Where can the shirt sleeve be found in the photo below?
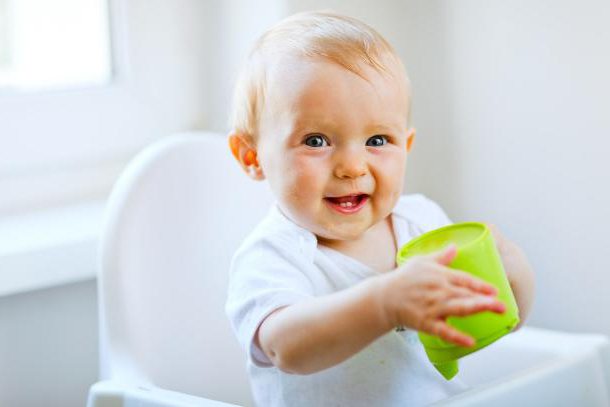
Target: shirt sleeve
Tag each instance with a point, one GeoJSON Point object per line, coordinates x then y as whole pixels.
{"type": "Point", "coordinates": [264, 276]}
{"type": "Point", "coordinates": [438, 217]}
{"type": "Point", "coordinates": [423, 212]}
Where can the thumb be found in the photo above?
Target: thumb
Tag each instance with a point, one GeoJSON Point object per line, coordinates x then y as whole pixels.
{"type": "Point", "coordinates": [445, 255]}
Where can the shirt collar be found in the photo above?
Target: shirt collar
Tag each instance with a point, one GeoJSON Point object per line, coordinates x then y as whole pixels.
{"type": "Point", "coordinates": [307, 241]}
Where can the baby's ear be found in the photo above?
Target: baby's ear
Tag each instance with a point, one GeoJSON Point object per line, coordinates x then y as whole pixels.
{"type": "Point", "coordinates": [244, 151]}
{"type": "Point", "coordinates": [410, 138]}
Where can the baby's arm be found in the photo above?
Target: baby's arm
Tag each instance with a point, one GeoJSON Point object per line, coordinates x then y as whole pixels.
{"type": "Point", "coordinates": [316, 334]}
{"type": "Point", "coordinates": [518, 271]}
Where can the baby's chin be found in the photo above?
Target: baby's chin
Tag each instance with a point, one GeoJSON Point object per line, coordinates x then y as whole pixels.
{"type": "Point", "coordinates": [339, 233]}
{"type": "Point", "coordinates": [329, 229]}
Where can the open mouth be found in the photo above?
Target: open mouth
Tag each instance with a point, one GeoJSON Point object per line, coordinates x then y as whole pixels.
{"type": "Point", "coordinates": [348, 203]}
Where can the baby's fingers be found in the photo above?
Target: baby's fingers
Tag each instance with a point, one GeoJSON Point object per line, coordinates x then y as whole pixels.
{"type": "Point", "coordinates": [471, 305]}
{"type": "Point", "coordinates": [463, 279]}
{"type": "Point", "coordinates": [449, 334]}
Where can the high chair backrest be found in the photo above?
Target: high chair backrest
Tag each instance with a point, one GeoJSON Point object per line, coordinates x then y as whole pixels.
{"type": "Point", "coordinates": [173, 221]}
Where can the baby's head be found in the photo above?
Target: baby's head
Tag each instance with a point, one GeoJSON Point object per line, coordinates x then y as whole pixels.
{"type": "Point", "coordinates": [321, 112]}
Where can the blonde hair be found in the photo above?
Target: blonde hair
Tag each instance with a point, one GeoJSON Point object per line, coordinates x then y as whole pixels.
{"type": "Point", "coordinates": [343, 40]}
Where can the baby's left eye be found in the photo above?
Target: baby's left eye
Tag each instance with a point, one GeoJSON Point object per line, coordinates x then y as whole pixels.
{"type": "Point", "coordinates": [377, 141]}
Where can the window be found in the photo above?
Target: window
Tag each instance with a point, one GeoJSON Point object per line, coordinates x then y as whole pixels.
{"type": "Point", "coordinates": [53, 44]}
{"type": "Point", "coordinates": [63, 141]}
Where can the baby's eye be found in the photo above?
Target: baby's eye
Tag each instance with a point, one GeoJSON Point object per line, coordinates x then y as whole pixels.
{"type": "Point", "coordinates": [316, 140]}
{"type": "Point", "coordinates": [377, 141]}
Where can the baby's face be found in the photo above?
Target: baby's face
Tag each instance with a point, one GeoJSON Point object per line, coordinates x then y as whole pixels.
{"type": "Point", "coordinates": [333, 145]}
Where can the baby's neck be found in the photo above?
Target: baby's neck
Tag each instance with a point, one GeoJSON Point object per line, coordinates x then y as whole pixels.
{"type": "Point", "coordinates": [376, 248]}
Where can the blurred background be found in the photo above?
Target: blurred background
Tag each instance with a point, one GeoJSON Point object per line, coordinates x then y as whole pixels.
{"type": "Point", "coordinates": [511, 102]}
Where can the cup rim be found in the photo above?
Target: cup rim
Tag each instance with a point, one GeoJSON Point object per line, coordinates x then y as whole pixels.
{"type": "Point", "coordinates": [413, 242]}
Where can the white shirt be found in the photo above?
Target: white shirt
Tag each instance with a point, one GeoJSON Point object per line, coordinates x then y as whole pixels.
{"type": "Point", "coordinates": [280, 264]}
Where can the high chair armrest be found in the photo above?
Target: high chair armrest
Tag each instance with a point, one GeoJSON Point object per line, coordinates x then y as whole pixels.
{"type": "Point", "coordinates": [113, 394]}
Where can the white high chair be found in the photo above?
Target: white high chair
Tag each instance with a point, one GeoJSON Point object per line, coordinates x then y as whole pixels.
{"type": "Point", "coordinates": [172, 222]}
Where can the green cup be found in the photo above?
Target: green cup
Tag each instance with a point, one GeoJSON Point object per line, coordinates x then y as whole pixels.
{"type": "Point", "coordinates": [476, 254]}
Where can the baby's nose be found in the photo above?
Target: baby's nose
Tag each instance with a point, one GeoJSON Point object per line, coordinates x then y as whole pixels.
{"type": "Point", "coordinates": [351, 167]}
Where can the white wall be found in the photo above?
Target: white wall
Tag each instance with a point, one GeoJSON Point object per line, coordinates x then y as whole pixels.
{"type": "Point", "coordinates": [48, 346]}
{"type": "Point", "coordinates": [512, 111]}
{"type": "Point", "coordinates": [235, 27]}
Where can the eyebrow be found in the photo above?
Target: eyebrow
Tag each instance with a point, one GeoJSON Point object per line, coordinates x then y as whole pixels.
{"type": "Point", "coordinates": [302, 125]}
{"type": "Point", "coordinates": [376, 127]}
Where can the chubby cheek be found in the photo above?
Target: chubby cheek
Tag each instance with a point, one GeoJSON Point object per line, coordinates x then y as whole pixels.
{"type": "Point", "coordinates": [389, 173]}
{"type": "Point", "coordinates": [303, 182]}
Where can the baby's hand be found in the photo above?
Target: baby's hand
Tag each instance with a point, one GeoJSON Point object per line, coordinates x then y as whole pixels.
{"type": "Point", "coordinates": [423, 292]}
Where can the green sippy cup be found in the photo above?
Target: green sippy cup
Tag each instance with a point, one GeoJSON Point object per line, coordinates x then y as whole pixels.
{"type": "Point", "coordinates": [476, 254]}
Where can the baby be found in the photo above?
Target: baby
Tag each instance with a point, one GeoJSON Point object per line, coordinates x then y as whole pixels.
{"type": "Point", "coordinates": [315, 295]}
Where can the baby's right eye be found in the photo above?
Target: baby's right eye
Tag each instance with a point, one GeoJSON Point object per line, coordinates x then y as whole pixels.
{"type": "Point", "coordinates": [316, 140]}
